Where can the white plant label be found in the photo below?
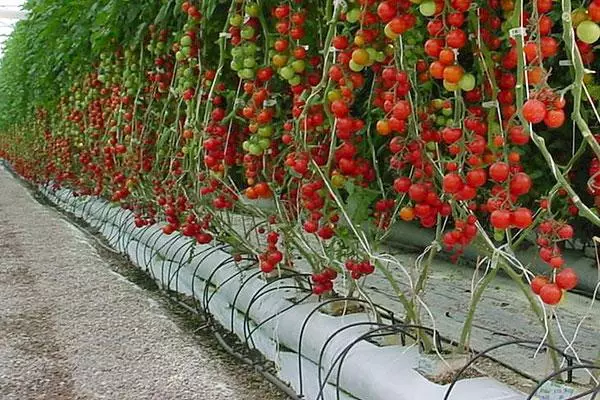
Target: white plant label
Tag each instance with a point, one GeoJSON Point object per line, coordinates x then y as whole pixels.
{"type": "Point", "coordinates": [489, 104]}
{"type": "Point", "coordinates": [514, 32]}
{"type": "Point", "coordinates": [554, 391]}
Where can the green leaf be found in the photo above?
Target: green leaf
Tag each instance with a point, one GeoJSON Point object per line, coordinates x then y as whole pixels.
{"type": "Point", "coordinates": [359, 202]}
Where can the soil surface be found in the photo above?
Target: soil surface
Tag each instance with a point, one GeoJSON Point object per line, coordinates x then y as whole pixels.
{"type": "Point", "coordinates": [72, 328]}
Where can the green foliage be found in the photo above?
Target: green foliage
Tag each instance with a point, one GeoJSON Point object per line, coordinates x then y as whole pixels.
{"type": "Point", "coordinates": [50, 49]}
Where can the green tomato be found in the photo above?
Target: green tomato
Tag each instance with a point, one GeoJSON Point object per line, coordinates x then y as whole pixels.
{"type": "Point", "coordinates": [237, 52]}
{"type": "Point", "coordinates": [246, 73]}
{"type": "Point", "coordinates": [295, 81]}
{"type": "Point", "coordinates": [250, 49]}
{"type": "Point", "coordinates": [236, 20]}
{"type": "Point", "coordinates": [427, 8]}
{"type": "Point", "coordinates": [389, 33]}
{"type": "Point", "coordinates": [430, 146]}
{"type": "Point", "coordinates": [437, 104]}
{"type": "Point", "coordinates": [299, 66]}
{"type": "Point", "coordinates": [353, 15]}
{"type": "Point", "coordinates": [467, 82]}
{"type": "Point", "coordinates": [355, 67]}
{"type": "Point", "coordinates": [440, 120]}
{"type": "Point", "coordinates": [247, 33]}
{"type": "Point", "coordinates": [588, 32]}
{"type": "Point", "coordinates": [447, 111]}
{"type": "Point", "coordinates": [451, 87]}
{"type": "Point", "coordinates": [239, 59]}
{"type": "Point", "coordinates": [255, 149]}
{"type": "Point", "coordinates": [265, 131]}
{"type": "Point", "coordinates": [372, 55]}
{"type": "Point", "coordinates": [380, 56]}
{"type": "Point", "coordinates": [246, 145]}
{"type": "Point", "coordinates": [185, 41]}
{"type": "Point", "coordinates": [235, 65]}
{"type": "Point", "coordinates": [498, 235]}
{"type": "Point", "coordinates": [249, 63]}
{"type": "Point", "coordinates": [252, 9]}
{"type": "Point", "coordinates": [338, 181]}
{"type": "Point", "coordinates": [286, 73]}
{"type": "Point", "coordinates": [264, 143]}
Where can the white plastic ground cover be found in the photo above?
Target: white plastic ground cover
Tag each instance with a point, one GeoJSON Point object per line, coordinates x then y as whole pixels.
{"type": "Point", "coordinates": [240, 301]}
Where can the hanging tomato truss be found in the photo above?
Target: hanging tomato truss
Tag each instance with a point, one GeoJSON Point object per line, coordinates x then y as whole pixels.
{"type": "Point", "coordinates": [322, 123]}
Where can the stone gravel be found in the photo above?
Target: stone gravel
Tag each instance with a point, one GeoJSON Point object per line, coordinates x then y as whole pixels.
{"type": "Point", "coordinates": [71, 328]}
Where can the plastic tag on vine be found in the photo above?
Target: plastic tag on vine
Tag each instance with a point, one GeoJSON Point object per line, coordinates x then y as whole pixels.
{"type": "Point", "coordinates": [489, 104]}
{"type": "Point", "coordinates": [565, 63]}
{"type": "Point", "coordinates": [239, 103]}
{"type": "Point", "coordinates": [554, 391]}
{"type": "Point", "coordinates": [269, 103]}
{"type": "Point", "coordinates": [340, 5]}
{"type": "Point", "coordinates": [520, 31]}
{"type": "Point", "coordinates": [225, 35]}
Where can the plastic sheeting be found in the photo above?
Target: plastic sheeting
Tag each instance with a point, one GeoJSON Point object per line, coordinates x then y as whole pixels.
{"type": "Point", "coordinates": [239, 301]}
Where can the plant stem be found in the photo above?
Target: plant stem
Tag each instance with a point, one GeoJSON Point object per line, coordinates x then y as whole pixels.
{"type": "Point", "coordinates": [465, 335]}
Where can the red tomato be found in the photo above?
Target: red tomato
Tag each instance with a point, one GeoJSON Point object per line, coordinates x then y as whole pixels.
{"type": "Point", "coordinates": [534, 111]}
{"type": "Point", "coordinates": [567, 279]}
{"type": "Point", "coordinates": [500, 219]}
{"type": "Point", "coordinates": [537, 283]}
{"type": "Point", "coordinates": [551, 294]}
{"type": "Point", "coordinates": [521, 218]}
{"type": "Point", "coordinates": [554, 119]}
{"type": "Point", "coordinates": [520, 184]}
{"type": "Point", "coordinates": [452, 183]}
{"type": "Point", "coordinates": [499, 171]}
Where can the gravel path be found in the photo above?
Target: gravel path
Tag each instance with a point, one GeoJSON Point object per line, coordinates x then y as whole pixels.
{"type": "Point", "coordinates": [71, 328]}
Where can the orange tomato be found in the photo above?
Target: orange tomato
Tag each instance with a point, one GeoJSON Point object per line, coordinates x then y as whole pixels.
{"type": "Point", "coordinates": [453, 73]}
{"type": "Point", "coordinates": [407, 213]}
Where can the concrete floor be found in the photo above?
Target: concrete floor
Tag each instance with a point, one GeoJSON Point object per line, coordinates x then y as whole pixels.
{"type": "Point", "coordinates": [71, 328]}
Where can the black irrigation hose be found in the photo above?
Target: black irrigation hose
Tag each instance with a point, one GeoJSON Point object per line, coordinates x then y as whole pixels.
{"type": "Point", "coordinates": [512, 342]}
{"type": "Point", "coordinates": [205, 295]}
{"type": "Point", "coordinates": [239, 356]}
{"type": "Point", "coordinates": [342, 329]}
{"type": "Point", "coordinates": [313, 311]}
{"type": "Point", "coordinates": [569, 370]}
{"type": "Point", "coordinates": [378, 332]}
{"type": "Point", "coordinates": [233, 308]}
{"type": "Point", "coordinates": [248, 335]}
{"type": "Point", "coordinates": [383, 330]}
{"type": "Point", "coordinates": [260, 293]}
{"type": "Point", "coordinates": [266, 374]}
{"type": "Point", "coordinates": [172, 261]}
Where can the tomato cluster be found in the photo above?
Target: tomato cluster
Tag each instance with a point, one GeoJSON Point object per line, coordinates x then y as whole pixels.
{"type": "Point", "coordinates": [450, 115]}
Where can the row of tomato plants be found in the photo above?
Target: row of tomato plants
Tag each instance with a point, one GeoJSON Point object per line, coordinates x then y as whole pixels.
{"type": "Point", "coordinates": [345, 116]}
